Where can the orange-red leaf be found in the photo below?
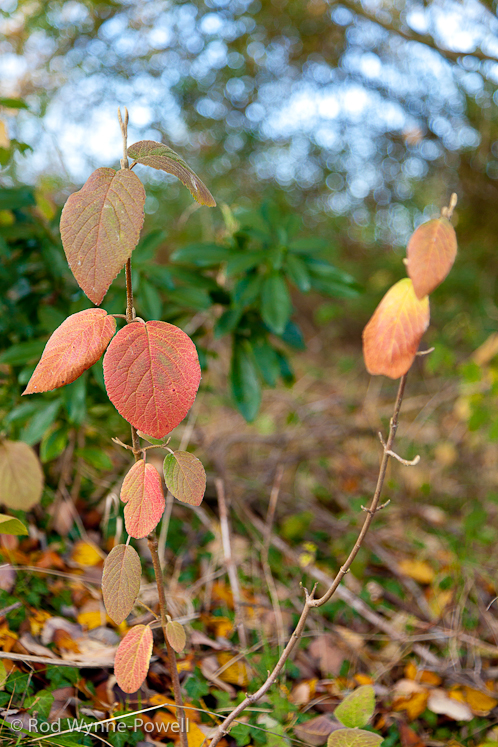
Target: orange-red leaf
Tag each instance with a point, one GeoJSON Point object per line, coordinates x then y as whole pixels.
{"type": "Point", "coordinates": [21, 475]}
{"type": "Point", "coordinates": [152, 374]}
{"type": "Point", "coordinates": [159, 156]}
{"type": "Point", "coordinates": [392, 336]}
{"type": "Point", "coordinates": [121, 582]}
{"type": "Point", "coordinates": [185, 477]}
{"type": "Point", "coordinates": [74, 346]}
{"type": "Point", "coordinates": [430, 254]}
{"type": "Point", "coordinates": [143, 494]}
{"type": "Point", "coordinates": [100, 227]}
{"type": "Point", "coordinates": [133, 657]}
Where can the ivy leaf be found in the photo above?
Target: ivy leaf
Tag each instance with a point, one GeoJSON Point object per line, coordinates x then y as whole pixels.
{"type": "Point", "coordinates": [143, 494]}
{"type": "Point", "coordinates": [392, 336]}
{"type": "Point", "coordinates": [159, 156]}
{"type": "Point", "coordinates": [176, 636]}
{"type": "Point", "coordinates": [133, 657]}
{"type": "Point", "coordinates": [21, 476]}
{"type": "Point", "coordinates": [100, 227]}
{"type": "Point", "coordinates": [74, 346]}
{"type": "Point", "coordinates": [430, 254]}
{"type": "Point", "coordinates": [185, 477]}
{"type": "Point", "coordinates": [11, 525]}
{"type": "Point", "coordinates": [354, 738]}
{"type": "Point", "coordinates": [152, 374]}
{"type": "Point", "coordinates": [121, 582]}
{"type": "Point", "coordinates": [357, 708]}
{"type": "Point", "coordinates": [276, 306]}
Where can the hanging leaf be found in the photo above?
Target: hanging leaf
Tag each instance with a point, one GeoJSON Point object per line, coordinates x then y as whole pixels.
{"type": "Point", "coordinates": [152, 374]}
{"type": "Point", "coordinates": [392, 336]}
{"type": "Point", "coordinates": [74, 346]}
{"type": "Point", "coordinates": [354, 738]}
{"type": "Point", "coordinates": [100, 227]}
{"type": "Point", "coordinates": [121, 582]}
{"type": "Point", "coordinates": [21, 476]}
{"type": "Point", "coordinates": [357, 708]}
{"type": "Point", "coordinates": [176, 636]}
{"type": "Point", "coordinates": [11, 525]}
{"type": "Point", "coordinates": [244, 381]}
{"type": "Point", "coordinates": [133, 657]}
{"type": "Point", "coordinates": [143, 494]}
{"type": "Point", "coordinates": [276, 306]}
{"type": "Point", "coordinates": [159, 156]}
{"type": "Point", "coordinates": [430, 255]}
{"type": "Point", "coordinates": [185, 477]}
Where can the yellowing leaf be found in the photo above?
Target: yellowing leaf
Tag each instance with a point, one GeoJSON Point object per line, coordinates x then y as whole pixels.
{"type": "Point", "coordinates": [236, 673]}
{"type": "Point", "coordinates": [392, 336]}
{"type": "Point", "coordinates": [11, 525]}
{"type": "Point", "coordinates": [21, 475]}
{"type": "Point", "coordinates": [357, 708]}
{"type": "Point", "coordinates": [419, 570]}
{"type": "Point", "coordinates": [414, 704]}
{"type": "Point", "coordinates": [430, 254]}
{"type": "Point", "coordinates": [353, 738]}
{"type": "Point", "coordinates": [175, 633]}
{"type": "Point", "coordinates": [195, 736]}
{"type": "Point", "coordinates": [37, 620]}
{"type": "Point", "coordinates": [85, 554]}
{"type": "Point", "coordinates": [185, 477]}
{"type": "Point", "coordinates": [133, 657]}
{"type": "Point", "coordinates": [121, 581]}
{"type": "Point", "coordinates": [480, 703]}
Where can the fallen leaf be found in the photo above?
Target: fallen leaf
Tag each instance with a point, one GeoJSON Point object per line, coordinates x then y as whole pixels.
{"type": "Point", "coordinates": [85, 554]}
{"type": "Point", "coordinates": [480, 703]}
{"type": "Point", "coordinates": [327, 653]}
{"type": "Point", "coordinates": [316, 731]}
{"type": "Point", "coordinates": [236, 673]}
{"type": "Point", "coordinates": [419, 570]}
{"type": "Point", "coordinates": [440, 702]}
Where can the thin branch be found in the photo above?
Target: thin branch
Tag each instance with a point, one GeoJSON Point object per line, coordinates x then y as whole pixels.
{"type": "Point", "coordinates": [310, 601]}
{"type": "Point", "coordinates": [270, 581]}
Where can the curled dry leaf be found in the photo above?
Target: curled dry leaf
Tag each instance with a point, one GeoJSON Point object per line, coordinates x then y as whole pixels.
{"type": "Point", "coordinates": [185, 477]}
{"type": "Point", "coordinates": [121, 582]}
{"type": "Point", "coordinates": [152, 373]}
{"type": "Point", "coordinates": [133, 657]}
{"type": "Point", "coordinates": [440, 702]}
{"type": "Point", "coordinates": [175, 633]}
{"type": "Point", "coordinates": [392, 336]}
{"type": "Point", "coordinates": [159, 156]}
{"type": "Point", "coordinates": [143, 494]}
{"type": "Point", "coordinates": [431, 253]}
{"type": "Point", "coordinates": [21, 475]}
{"type": "Point", "coordinates": [100, 227]}
{"type": "Point", "coordinates": [74, 346]}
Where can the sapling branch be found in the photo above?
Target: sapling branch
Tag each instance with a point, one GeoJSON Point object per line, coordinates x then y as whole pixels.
{"type": "Point", "coordinates": [310, 601]}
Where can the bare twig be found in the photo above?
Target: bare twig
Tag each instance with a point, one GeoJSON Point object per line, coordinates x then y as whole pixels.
{"type": "Point", "coordinates": [275, 491]}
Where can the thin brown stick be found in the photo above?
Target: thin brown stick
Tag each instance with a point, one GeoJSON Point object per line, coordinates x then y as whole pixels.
{"type": "Point", "coordinates": [265, 560]}
{"type": "Point", "coordinates": [180, 713]}
{"type": "Point", "coordinates": [229, 562]}
{"type": "Point", "coordinates": [310, 602]}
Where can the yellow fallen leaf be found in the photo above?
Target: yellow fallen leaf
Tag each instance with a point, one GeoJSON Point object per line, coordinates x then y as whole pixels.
{"type": "Point", "coordinates": [37, 620]}
{"type": "Point", "coordinates": [222, 593]}
{"type": "Point", "coordinates": [419, 570]}
{"type": "Point", "coordinates": [4, 135]}
{"type": "Point", "coordinates": [195, 736]}
{"type": "Point", "coordinates": [440, 601]}
{"type": "Point", "coordinates": [429, 678]}
{"type": "Point", "coordinates": [414, 705]}
{"type": "Point", "coordinates": [236, 673]}
{"type": "Point", "coordinates": [363, 679]}
{"type": "Point", "coordinates": [90, 620]}
{"type": "Point", "coordinates": [411, 671]}
{"type": "Point", "coordinates": [480, 703]}
{"type": "Point", "coordinates": [222, 626]}
{"type": "Point", "coordinates": [85, 554]}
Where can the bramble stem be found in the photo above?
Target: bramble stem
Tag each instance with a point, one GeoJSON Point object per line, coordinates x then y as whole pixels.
{"type": "Point", "coordinates": [180, 713]}
{"type": "Point", "coordinates": [310, 602]}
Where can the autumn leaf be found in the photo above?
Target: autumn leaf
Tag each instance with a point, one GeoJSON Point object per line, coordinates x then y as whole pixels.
{"type": "Point", "coordinates": [419, 570]}
{"type": "Point", "coordinates": [152, 374]}
{"type": "Point", "coordinates": [11, 525]}
{"type": "Point", "coordinates": [431, 253]}
{"type": "Point", "coordinates": [175, 633]}
{"type": "Point", "coordinates": [121, 582]}
{"type": "Point", "coordinates": [21, 475]}
{"type": "Point", "coordinates": [100, 227]}
{"type": "Point", "coordinates": [133, 657]}
{"type": "Point", "coordinates": [392, 336]}
{"type": "Point", "coordinates": [353, 738]}
{"type": "Point", "coordinates": [143, 494]}
{"type": "Point", "coordinates": [74, 346]}
{"type": "Point", "coordinates": [185, 477]}
{"type": "Point", "coordinates": [357, 708]}
{"type": "Point", "coordinates": [159, 156]}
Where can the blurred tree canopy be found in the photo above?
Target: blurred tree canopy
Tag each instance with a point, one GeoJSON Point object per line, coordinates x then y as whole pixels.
{"type": "Point", "coordinates": [375, 110]}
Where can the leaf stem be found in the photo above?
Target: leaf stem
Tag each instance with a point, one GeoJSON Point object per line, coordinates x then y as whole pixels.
{"type": "Point", "coordinates": [180, 713]}
{"type": "Point", "coordinates": [310, 602]}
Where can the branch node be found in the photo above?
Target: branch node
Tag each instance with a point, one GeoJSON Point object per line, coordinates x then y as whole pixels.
{"type": "Point", "coordinates": [373, 511]}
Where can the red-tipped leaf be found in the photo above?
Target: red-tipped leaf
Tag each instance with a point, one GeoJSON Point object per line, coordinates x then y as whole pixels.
{"type": "Point", "coordinates": [100, 227]}
{"type": "Point", "coordinates": [392, 336]}
{"type": "Point", "coordinates": [21, 475]}
{"type": "Point", "coordinates": [152, 374]}
{"type": "Point", "coordinates": [143, 494]}
{"type": "Point", "coordinates": [159, 156]}
{"type": "Point", "coordinates": [430, 254]}
{"type": "Point", "coordinates": [185, 477]}
{"type": "Point", "coordinates": [121, 581]}
{"type": "Point", "coordinates": [132, 658]}
{"type": "Point", "coordinates": [74, 346]}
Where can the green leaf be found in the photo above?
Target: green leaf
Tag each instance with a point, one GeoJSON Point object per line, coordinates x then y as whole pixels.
{"type": "Point", "coordinates": [334, 289]}
{"type": "Point", "coordinates": [41, 703]}
{"type": "Point", "coordinates": [244, 261]}
{"type": "Point", "coordinates": [193, 278]}
{"type": "Point", "coordinates": [286, 370]}
{"type": "Point", "coordinates": [160, 276]}
{"type": "Point", "coordinates": [357, 708]}
{"type": "Point", "coordinates": [354, 738]}
{"type": "Point", "coordinates": [74, 396]}
{"type": "Point", "coordinates": [3, 674]}
{"type": "Point", "coordinates": [297, 272]}
{"type": "Point", "coordinates": [150, 301]}
{"type": "Point", "coordinates": [244, 381]}
{"type": "Point", "coordinates": [12, 103]}
{"type": "Point", "coordinates": [23, 352]}
{"type": "Point", "coordinates": [152, 440]}
{"type": "Point", "coordinates": [227, 322]}
{"type": "Point", "coordinates": [247, 290]}
{"type": "Point", "coordinates": [293, 336]}
{"type": "Point", "coordinates": [276, 306]}
{"type": "Point", "coordinates": [185, 477]}
{"type": "Point", "coordinates": [144, 253]}
{"type": "Point", "coordinates": [11, 525]}
{"type": "Point", "coordinates": [202, 255]}
{"type": "Point", "coordinates": [309, 246]}
{"type": "Point", "coordinates": [96, 458]}
{"type": "Point", "coordinates": [191, 298]}
{"type": "Point", "coordinates": [267, 361]}
{"type": "Point", "coordinates": [53, 444]}
{"type": "Point", "coordinates": [19, 197]}
{"type": "Point", "coordinates": [40, 422]}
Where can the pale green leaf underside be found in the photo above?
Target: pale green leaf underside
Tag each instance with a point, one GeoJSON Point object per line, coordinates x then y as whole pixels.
{"type": "Point", "coordinates": [357, 708]}
{"type": "Point", "coordinates": [11, 525]}
{"type": "Point", "coordinates": [185, 477]}
{"type": "Point", "coordinates": [121, 582]}
{"type": "Point", "coordinates": [353, 738]}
